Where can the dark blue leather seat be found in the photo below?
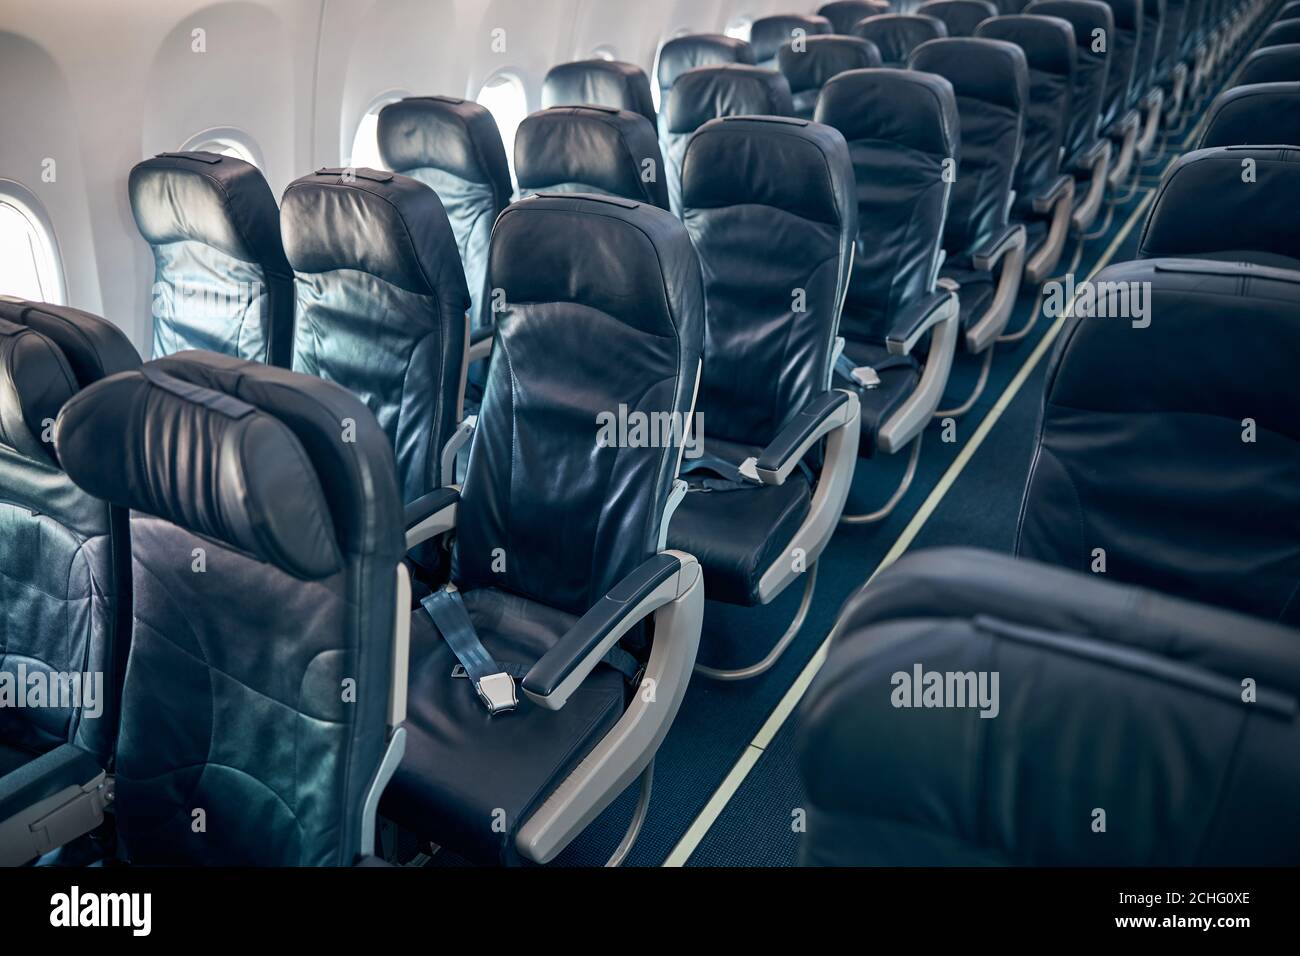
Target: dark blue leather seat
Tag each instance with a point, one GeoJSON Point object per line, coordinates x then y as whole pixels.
{"type": "Point", "coordinates": [961, 17]}
{"type": "Point", "coordinates": [706, 93]}
{"type": "Point", "coordinates": [559, 536]}
{"type": "Point", "coordinates": [382, 306]}
{"type": "Point", "coordinates": [1170, 72]}
{"type": "Point", "coordinates": [590, 149]}
{"type": "Point", "coordinates": [267, 561]}
{"type": "Point", "coordinates": [1254, 115]}
{"type": "Point", "coordinates": [1272, 64]}
{"type": "Point", "coordinates": [901, 127]}
{"type": "Point", "coordinates": [768, 34]}
{"type": "Point", "coordinates": [221, 281]}
{"type": "Point", "coordinates": [453, 146]}
{"type": "Point", "coordinates": [689, 52]}
{"type": "Point", "coordinates": [896, 35]}
{"type": "Point", "coordinates": [821, 57]}
{"type": "Point", "coordinates": [769, 203]}
{"type": "Point", "coordinates": [1131, 679]}
{"type": "Point", "coordinates": [844, 15]}
{"type": "Point", "coordinates": [985, 251]}
{"type": "Point", "coordinates": [623, 86]}
{"type": "Point", "coordinates": [1120, 121]}
{"type": "Point", "coordinates": [1044, 194]}
{"type": "Point", "coordinates": [1280, 32]}
{"type": "Point", "coordinates": [65, 582]}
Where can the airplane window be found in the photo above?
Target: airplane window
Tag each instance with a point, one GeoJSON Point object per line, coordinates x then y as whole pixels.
{"type": "Point", "coordinates": [604, 53]}
{"type": "Point", "coordinates": [738, 29]}
{"type": "Point", "coordinates": [365, 142]}
{"type": "Point", "coordinates": [226, 142]}
{"type": "Point", "coordinates": [504, 97]}
{"type": "Point", "coordinates": [29, 258]}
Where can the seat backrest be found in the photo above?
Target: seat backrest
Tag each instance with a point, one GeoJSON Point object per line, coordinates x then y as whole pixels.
{"type": "Point", "coordinates": [265, 554]}
{"type": "Point", "coordinates": [961, 17]}
{"type": "Point", "coordinates": [1048, 44]}
{"type": "Point", "coordinates": [1180, 463]}
{"type": "Point", "coordinates": [1283, 31]}
{"type": "Point", "coordinates": [381, 306]}
{"type": "Point", "coordinates": [1289, 11]}
{"type": "Point", "coordinates": [843, 15]}
{"type": "Point", "coordinates": [1254, 115]}
{"type": "Point", "coordinates": [1173, 27]}
{"type": "Point", "coordinates": [221, 281]}
{"type": "Point", "coordinates": [1223, 203]}
{"type": "Point", "coordinates": [624, 86]}
{"type": "Point", "coordinates": [1271, 64]}
{"type": "Point", "coordinates": [603, 318]}
{"type": "Point", "coordinates": [65, 580]}
{"type": "Point", "coordinates": [1122, 44]}
{"type": "Point", "coordinates": [896, 35]}
{"type": "Point", "coordinates": [1090, 68]}
{"type": "Point", "coordinates": [590, 149]}
{"type": "Point", "coordinates": [990, 79]}
{"type": "Point", "coordinates": [901, 126]}
{"type": "Point", "coordinates": [1148, 51]}
{"type": "Point", "coordinates": [690, 52]}
{"type": "Point", "coordinates": [821, 58]}
{"type": "Point", "coordinates": [768, 34]}
{"type": "Point", "coordinates": [453, 146]}
{"type": "Point", "coordinates": [769, 204]}
{"type": "Point", "coordinates": [707, 93]}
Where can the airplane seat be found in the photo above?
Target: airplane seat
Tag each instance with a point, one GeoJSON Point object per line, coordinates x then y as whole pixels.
{"type": "Point", "coordinates": [843, 15]}
{"type": "Point", "coordinates": [1120, 122]}
{"type": "Point", "coordinates": [1087, 152]}
{"type": "Point", "coordinates": [559, 552]}
{"type": "Point", "coordinates": [808, 69]}
{"type": "Point", "coordinates": [985, 250]}
{"type": "Point", "coordinates": [706, 93]}
{"type": "Point", "coordinates": [1223, 203]}
{"type": "Point", "coordinates": [1147, 675]}
{"type": "Point", "coordinates": [590, 149]}
{"type": "Point", "coordinates": [221, 280]}
{"type": "Point", "coordinates": [769, 203]}
{"type": "Point", "coordinates": [960, 17]}
{"type": "Point", "coordinates": [453, 146]}
{"type": "Point", "coordinates": [899, 329]}
{"type": "Point", "coordinates": [1255, 115]}
{"type": "Point", "coordinates": [1146, 95]}
{"type": "Point", "coordinates": [1170, 71]}
{"type": "Point", "coordinates": [768, 34]}
{"type": "Point", "coordinates": [382, 307]}
{"type": "Point", "coordinates": [1044, 194]}
{"type": "Point", "coordinates": [689, 52]}
{"type": "Point", "coordinates": [66, 584]}
{"type": "Point", "coordinates": [896, 35]}
{"type": "Point", "coordinates": [623, 86]}
{"type": "Point", "coordinates": [1280, 32]}
{"type": "Point", "coordinates": [267, 558]}
{"type": "Point", "coordinates": [1271, 64]}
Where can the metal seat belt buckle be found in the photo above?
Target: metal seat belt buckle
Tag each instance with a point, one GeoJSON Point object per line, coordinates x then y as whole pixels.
{"type": "Point", "coordinates": [497, 691]}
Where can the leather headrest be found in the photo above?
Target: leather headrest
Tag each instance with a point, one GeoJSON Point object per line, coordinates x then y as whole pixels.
{"type": "Point", "coordinates": [1283, 31]}
{"type": "Point", "coordinates": [992, 71]}
{"type": "Point", "coordinates": [1256, 115]}
{"type": "Point", "coordinates": [203, 197]}
{"type": "Point", "coordinates": [701, 49]}
{"type": "Point", "coordinates": [458, 137]}
{"type": "Point", "coordinates": [768, 34]}
{"type": "Point", "coordinates": [388, 225]}
{"type": "Point", "coordinates": [94, 348]}
{"type": "Point", "coordinates": [913, 109]}
{"type": "Point", "coordinates": [647, 273]}
{"type": "Point", "coordinates": [1086, 16]}
{"type": "Point", "coordinates": [896, 35]}
{"type": "Point", "coordinates": [623, 86]}
{"type": "Point", "coordinates": [1126, 13]}
{"type": "Point", "coordinates": [1206, 208]}
{"type": "Point", "coordinates": [708, 92]}
{"type": "Point", "coordinates": [1048, 42]}
{"type": "Point", "coordinates": [961, 16]}
{"type": "Point", "coordinates": [822, 58]}
{"type": "Point", "coordinates": [590, 149]}
{"type": "Point", "coordinates": [1272, 64]}
{"type": "Point", "coordinates": [845, 14]}
{"type": "Point", "coordinates": [790, 164]}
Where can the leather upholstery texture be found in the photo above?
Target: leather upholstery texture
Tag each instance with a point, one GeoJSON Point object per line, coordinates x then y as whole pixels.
{"type": "Point", "coordinates": [221, 280]}
{"type": "Point", "coordinates": [820, 58]}
{"type": "Point", "coordinates": [453, 146]}
{"type": "Point", "coordinates": [768, 34]}
{"type": "Point", "coordinates": [1256, 115]}
{"type": "Point", "coordinates": [1148, 49]}
{"type": "Point", "coordinates": [1123, 42]}
{"type": "Point", "coordinates": [1280, 32]}
{"type": "Point", "coordinates": [695, 50]}
{"type": "Point", "coordinates": [1273, 64]}
{"type": "Point", "coordinates": [381, 306]}
{"type": "Point", "coordinates": [623, 86]}
{"type": "Point", "coordinates": [590, 149]}
{"type": "Point", "coordinates": [1090, 69]}
{"type": "Point", "coordinates": [1173, 25]}
{"type": "Point", "coordinates": [961, 17]}
{"type": "Point", "coordinates": [844, 15]}
{"type": "Point", "coordinates": [65, 591]}
{"type": "Point", "coordinates": [896, 35]}
{"type": "Point", "coordinates": [260, 594]}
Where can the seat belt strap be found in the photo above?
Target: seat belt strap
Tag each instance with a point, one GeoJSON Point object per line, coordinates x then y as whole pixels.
{"type": "Point", "coordinates": [495, 687]}
{"type": "Point", "coordinates": [860, 375]}
{"type": "Point", "coordinates": [730, 477]}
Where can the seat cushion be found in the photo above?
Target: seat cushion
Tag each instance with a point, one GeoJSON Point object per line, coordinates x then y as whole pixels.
{"type": "Point", "coordinates": [737, 535]}
{"type": "Point", "coordinates": [977, 290]}
{"type": "Point", "coordinates": [11, 758]}
{"type": "Point", "coordinates": [463, 768]}
{"type": "Point", "coordinates": [899, 376]}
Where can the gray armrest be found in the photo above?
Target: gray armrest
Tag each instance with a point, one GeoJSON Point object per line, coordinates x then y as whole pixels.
{"type": "Point", "coordinates": [824, 414]}
{"type": "Point", "coordinates": [431, 515]}
{"type": "Point", "coordinates": [1011, 237]}
{"type": "Point", "coordinates": [908, 328]}
{"type": "Point", "coordinates": [48, 801]}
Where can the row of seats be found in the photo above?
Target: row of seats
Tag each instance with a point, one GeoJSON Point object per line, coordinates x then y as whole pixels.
{"type": "Point", "coordinates": [1144, 634]}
